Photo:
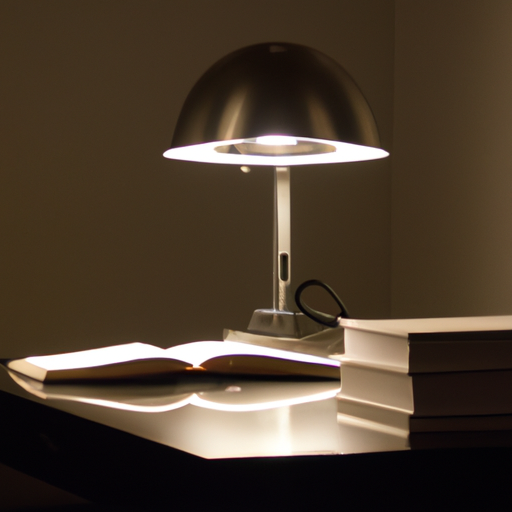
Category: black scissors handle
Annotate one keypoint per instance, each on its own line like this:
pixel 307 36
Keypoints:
pixel 318 316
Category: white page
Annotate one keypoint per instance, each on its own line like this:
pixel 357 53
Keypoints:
pixel 96 357
pixel 200 351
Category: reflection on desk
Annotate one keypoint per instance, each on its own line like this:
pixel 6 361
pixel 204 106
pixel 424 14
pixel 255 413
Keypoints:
pixel 217 418
pixel 281 458
pixel 210 417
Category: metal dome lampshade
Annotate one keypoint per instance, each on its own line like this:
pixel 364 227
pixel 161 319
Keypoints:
pixel 280 105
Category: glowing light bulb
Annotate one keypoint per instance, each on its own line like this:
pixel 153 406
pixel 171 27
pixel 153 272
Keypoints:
pixel 276 140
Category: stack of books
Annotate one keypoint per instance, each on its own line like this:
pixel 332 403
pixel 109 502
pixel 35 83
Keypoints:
pixel 433 375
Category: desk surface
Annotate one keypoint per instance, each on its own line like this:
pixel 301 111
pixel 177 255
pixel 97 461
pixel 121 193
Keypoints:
pixel 197 457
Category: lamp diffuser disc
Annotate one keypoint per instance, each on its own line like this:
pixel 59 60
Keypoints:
pixel 276 104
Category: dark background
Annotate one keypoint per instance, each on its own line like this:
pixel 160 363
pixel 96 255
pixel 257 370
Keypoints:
pixel 104 241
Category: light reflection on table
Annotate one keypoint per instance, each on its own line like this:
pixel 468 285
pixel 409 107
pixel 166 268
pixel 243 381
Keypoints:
pixel 295 428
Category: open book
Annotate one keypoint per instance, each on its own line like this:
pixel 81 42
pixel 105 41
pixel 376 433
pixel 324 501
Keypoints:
pixel 139 360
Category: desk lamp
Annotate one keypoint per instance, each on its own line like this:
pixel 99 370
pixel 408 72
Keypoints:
pixel 280 105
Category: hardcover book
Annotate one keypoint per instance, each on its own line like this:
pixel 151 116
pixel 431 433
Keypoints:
pixel 424 345
pixel 429 394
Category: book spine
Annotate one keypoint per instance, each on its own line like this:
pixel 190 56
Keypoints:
pixel 459 355
pixel 475 423
pixel 463 393
pixel 430 352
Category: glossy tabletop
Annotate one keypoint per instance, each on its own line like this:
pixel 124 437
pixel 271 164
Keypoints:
pixel 232 444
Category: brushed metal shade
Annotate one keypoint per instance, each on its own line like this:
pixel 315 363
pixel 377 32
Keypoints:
pixel 276 89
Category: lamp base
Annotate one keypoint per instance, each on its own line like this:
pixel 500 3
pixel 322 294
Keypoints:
pixel 324 343
pixel 291 331
pixel 285 324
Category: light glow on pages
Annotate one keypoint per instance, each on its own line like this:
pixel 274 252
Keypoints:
pixel 194 353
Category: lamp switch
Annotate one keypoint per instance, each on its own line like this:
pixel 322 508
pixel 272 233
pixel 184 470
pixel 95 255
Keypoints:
pixel 284 266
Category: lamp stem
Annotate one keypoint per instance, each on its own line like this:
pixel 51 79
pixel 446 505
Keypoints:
pixel 283 296
pixel 284 320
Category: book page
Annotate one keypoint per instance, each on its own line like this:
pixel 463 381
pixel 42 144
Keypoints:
pixel 196 353
pixel 252 364
pixel 95 357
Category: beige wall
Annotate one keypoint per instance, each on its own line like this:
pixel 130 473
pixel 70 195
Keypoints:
pixel 103 240
pixel 452 164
